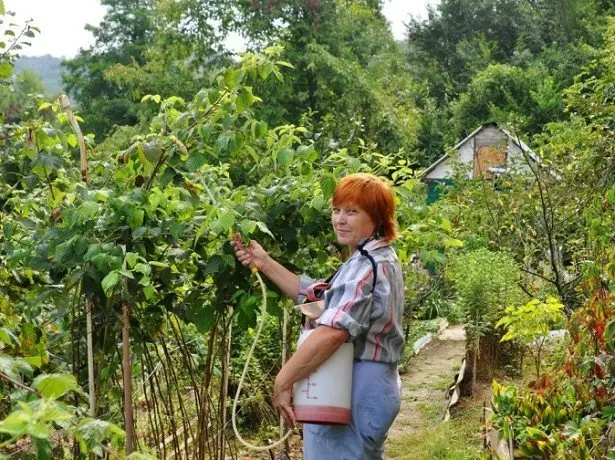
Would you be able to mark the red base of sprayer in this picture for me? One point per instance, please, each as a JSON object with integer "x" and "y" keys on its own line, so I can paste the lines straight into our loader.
{"x": 322, "y": 415}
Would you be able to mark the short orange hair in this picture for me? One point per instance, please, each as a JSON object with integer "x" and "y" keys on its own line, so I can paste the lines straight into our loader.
{"x": 374, "y": 196}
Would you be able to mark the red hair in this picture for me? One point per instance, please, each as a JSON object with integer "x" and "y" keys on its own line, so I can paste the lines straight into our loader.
{"x": 374, "y": 196}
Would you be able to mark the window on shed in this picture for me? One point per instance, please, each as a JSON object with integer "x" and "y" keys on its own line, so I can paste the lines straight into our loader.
{"x": 488, "y": 156}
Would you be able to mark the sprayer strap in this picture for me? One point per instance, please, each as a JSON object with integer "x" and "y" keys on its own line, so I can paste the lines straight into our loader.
{"x": 373, "y": 262}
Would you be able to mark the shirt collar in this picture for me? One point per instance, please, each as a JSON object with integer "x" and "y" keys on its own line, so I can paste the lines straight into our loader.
{"x": 369, "y": 244}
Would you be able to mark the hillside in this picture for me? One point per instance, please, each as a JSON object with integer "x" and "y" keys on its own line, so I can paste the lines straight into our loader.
{"x": 48, "y": 67}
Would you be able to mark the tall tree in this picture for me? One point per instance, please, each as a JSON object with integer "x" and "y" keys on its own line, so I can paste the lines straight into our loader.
{"x": 121, "y": 38}
{"x": 347, "y": 68}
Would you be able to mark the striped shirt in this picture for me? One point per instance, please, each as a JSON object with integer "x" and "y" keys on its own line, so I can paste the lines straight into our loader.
{"x": 373, "y": 320}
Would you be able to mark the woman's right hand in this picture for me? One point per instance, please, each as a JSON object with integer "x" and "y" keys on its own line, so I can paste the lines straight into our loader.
{"x": 252, "y": 256}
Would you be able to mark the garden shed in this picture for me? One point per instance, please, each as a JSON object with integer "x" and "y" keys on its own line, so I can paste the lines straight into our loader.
{"x": 488, "y": 151}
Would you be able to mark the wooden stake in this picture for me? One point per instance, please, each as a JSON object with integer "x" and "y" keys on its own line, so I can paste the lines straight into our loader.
{"x": 127, "y": 374}
{"x": 90, "y": 346}
{"x": 66, "y": 106}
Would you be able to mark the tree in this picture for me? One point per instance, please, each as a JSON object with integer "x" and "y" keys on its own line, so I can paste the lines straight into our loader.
{"x": 121, "y": 38}
{"x": 20, "y": 99}
{"x": 347, "y": 72}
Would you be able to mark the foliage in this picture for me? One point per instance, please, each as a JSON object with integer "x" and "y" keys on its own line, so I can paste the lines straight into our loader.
{"x": 528, "y": 98}
{"x": 121, "y": 38}
{"x": 20, "y": 100}
{"x": 522, "y": 54}
{"x": 530, "y": 325}
{"x": 577, "y": 398}
{"x": 348, "y": 72}
{"x": 568, "y": 411}
{"x": 485, "y": 283}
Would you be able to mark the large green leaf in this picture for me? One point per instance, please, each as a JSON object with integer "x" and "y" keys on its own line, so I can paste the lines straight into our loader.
{"x": 56, "y": 385}
{"x": 6, "y": 69}
{"x": 284, "y": 157}
{"x": 327, "y": 185}
{"x": 110, "y": 281}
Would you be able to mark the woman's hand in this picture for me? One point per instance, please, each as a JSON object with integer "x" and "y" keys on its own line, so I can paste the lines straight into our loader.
{"x": 252, "y": 256}
{"x": 282, "y": 401}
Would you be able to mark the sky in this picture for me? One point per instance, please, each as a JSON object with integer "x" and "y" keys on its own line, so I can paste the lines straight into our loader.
{"x": 62, "y": 22}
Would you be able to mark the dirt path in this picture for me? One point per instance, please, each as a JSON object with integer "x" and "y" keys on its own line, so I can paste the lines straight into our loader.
{"x": 424, "y": 386}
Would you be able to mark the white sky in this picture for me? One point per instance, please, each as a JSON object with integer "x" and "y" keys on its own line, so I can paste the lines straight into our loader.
{"x": 61, "y": 22}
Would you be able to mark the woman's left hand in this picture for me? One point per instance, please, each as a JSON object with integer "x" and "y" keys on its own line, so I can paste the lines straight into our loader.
{"x": 282, "y": 398}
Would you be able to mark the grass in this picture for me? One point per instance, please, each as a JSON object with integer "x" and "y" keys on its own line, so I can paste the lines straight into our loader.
{"x": 458, "y": 439}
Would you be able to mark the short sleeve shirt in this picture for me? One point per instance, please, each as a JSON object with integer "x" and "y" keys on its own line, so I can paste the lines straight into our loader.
{"x": 373, "y": 318}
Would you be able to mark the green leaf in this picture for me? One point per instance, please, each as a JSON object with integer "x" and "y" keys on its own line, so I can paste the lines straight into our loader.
{"x": 453, "y": 243}
{"x": 140, "y": 456}
{"x": 261, "y": 129}
{"x": 244, "y": 100}
{"x": 126, "y": 273}
{"x": 263, "y": 228}
{"x": 91, "y": 433}
{"x": 247, "y": 226}
{"x": 131, "y": 259}
{"x": 149, "y": 291}
{"x": 284, "y": 157}
{"x": 42, "y": 446}
{"x": 72, "y": 140}
{"x": 2, "y": 11}
{"x": 56, "y": 385}
{"x": 222, "y": 142}
{"x": 265, "y": 69}
{"x": 7, "y": 336}
{"x": 232, "y": 78}
{"x": 44, "y": 105}
{"x": 195, "y": 162}
{"x": 38, "y": 430}
{"x": 155, "y": 263}
{"x": 16, "y": 423}
{"x": 6, "y": 69}
{"x": 110, "y": 281}
{"x": 35, "y": 361}
{"x": 135, "y": 218}
{"x": 327, "y": 185}
{"x": 227, "y": 218}
{"x": 285, "y": 64}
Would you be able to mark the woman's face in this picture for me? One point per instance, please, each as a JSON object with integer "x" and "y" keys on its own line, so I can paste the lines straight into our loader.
{"x": 351, "y": 224}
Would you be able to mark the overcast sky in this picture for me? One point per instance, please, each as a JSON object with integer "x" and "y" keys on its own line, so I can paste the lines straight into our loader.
{"x": 62, "y": 21}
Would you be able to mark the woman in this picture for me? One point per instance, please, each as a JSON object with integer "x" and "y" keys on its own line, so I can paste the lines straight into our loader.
{"x": 363, "y": 304}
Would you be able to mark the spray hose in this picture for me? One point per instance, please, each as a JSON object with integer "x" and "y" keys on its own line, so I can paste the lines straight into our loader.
{"x": 237, "y": 240}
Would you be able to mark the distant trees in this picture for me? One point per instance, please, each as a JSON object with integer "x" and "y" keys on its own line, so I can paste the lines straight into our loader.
{"x": 503, "y": 60}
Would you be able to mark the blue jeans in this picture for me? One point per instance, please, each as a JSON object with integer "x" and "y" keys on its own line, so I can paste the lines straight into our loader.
{"x": 376, "y": 397}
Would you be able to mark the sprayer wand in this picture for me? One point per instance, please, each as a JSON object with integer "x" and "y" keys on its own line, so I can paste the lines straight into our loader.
{"x": 237, "y": 239}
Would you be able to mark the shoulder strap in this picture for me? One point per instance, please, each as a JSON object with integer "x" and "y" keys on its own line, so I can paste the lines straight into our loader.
{"x": 373, "y": 262}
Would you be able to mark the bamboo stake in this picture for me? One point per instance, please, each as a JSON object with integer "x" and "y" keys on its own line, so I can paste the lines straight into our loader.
{"x": 224, "y": 389}
{"x": 90, "y": 346}
{"x": 284, "y": 355}
{"x": 66, "y": 106}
